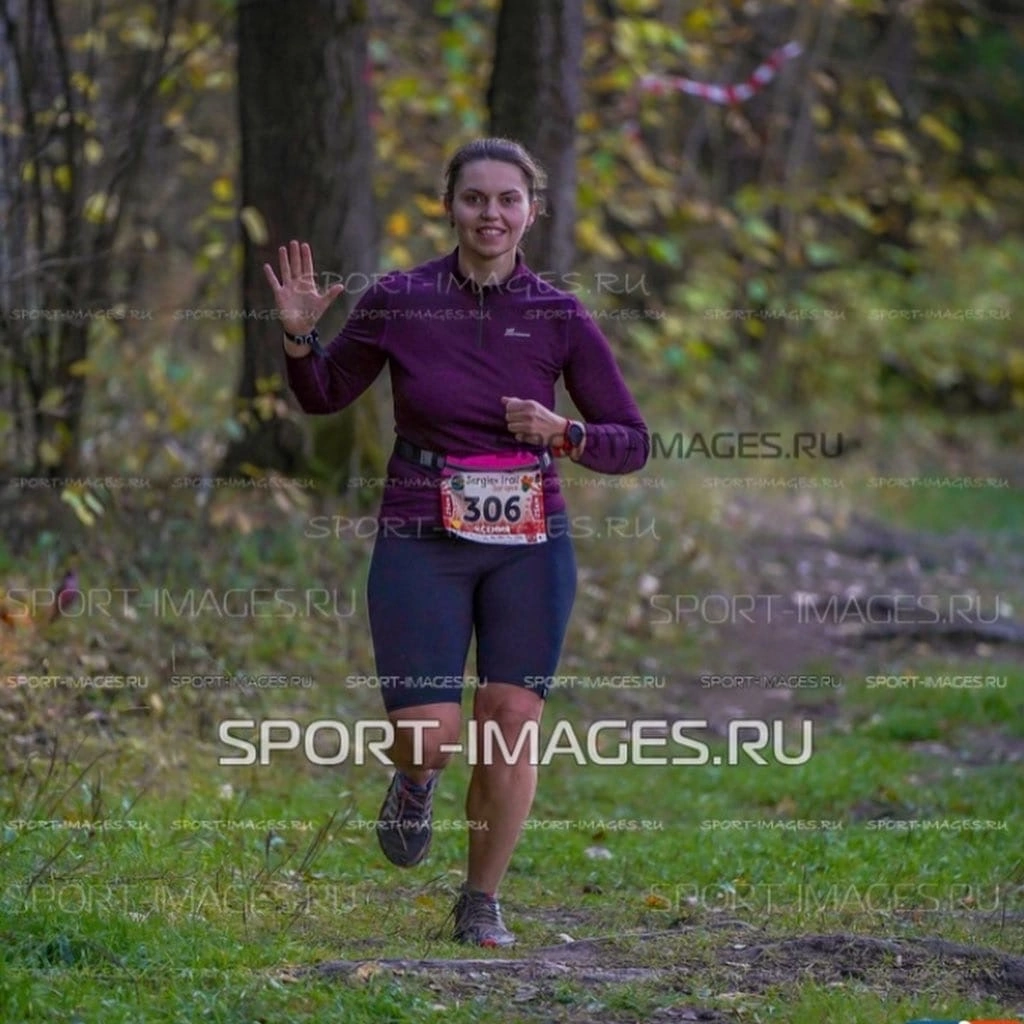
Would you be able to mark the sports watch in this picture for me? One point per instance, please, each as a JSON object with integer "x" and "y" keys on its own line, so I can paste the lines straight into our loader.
{"x": 571, "y": 439}
{"x": 574, "y": 434}
{"x": 312, "y": 339}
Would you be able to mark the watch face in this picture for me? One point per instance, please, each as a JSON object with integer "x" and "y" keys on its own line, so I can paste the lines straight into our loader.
{"x": 574, "y": 433}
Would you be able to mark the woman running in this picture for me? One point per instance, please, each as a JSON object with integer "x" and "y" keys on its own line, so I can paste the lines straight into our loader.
{"x": 472, "y": 533}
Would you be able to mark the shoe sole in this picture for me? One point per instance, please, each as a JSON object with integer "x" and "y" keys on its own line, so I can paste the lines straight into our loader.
{"x": 484, "y": 943}
{"x": 400, "y": 863}
{"x": 403, "y": 863}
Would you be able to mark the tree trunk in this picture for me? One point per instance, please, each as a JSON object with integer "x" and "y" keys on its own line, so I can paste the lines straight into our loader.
{"x": 306, "y": 168}
{"x": 534, "y": 98}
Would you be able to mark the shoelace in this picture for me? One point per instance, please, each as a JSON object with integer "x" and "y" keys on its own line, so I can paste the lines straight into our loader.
{"x": 410, "y": 803}
{"x": 471, "y": 907}
{"x": 482, "y": 909}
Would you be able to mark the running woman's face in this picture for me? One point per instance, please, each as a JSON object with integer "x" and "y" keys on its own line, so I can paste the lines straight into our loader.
{"x": 491, "y": 209}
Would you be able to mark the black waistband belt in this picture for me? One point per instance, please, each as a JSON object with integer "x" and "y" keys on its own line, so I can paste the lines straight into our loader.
{"x": 435, "y": 460}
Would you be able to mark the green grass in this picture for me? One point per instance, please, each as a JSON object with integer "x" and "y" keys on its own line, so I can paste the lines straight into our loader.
{"x": 231, "y": 878}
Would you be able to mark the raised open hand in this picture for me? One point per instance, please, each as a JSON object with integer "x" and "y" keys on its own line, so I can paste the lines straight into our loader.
{"x": 299, "y": 302}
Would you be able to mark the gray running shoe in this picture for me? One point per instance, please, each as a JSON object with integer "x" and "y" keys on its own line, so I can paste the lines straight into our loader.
{"x": 404, "y": 822}
{"x": 478, "y": 920}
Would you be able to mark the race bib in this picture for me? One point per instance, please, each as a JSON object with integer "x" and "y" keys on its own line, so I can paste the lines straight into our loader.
{"x": 494, "y": 499}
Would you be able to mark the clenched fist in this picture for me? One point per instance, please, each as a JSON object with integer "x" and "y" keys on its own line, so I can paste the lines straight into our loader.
{"x": 533, "y": 423}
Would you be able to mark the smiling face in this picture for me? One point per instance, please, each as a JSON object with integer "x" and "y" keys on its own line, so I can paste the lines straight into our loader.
{"x": 491, "y": 209}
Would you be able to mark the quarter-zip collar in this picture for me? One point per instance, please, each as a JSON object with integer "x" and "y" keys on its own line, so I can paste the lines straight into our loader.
{"x": 511, "y": 283}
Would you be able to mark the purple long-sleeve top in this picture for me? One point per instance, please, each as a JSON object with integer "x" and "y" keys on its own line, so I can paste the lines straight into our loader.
{"x": 454, "y": 350}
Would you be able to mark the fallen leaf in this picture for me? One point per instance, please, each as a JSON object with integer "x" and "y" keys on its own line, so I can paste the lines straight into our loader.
{"x": 364, "y": 972}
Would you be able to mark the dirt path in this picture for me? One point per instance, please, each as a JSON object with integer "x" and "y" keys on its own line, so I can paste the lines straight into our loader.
{"x": 740, "y": 962}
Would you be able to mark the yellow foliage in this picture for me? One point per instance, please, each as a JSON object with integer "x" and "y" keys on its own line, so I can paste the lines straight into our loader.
{"x": 884, "y": 99}
{"x": 62, "y": 177}
{"x": 205, "y": 149}
{"x": 700, "y": 21}
{"x": 855, "y": 210}
{"x": 51, "y": 402}
{"x": 1015, "y": 367}
{"x": 625, "y": 37}
{"x": 99, "y": 207}
{"x": 429, "y": 206}
{"x": 591, "y": 238}
{"x": 821, "y": 115}
{"x": 398, "y": 256}
{"x": 223, "y": 189}
{"x": 944, "y": 136}
{"x": 254, "y": 224}
{"x": 648, "y": 172}
{"x": 893, "y": 138}
{"x": 91, "y": 39}
{"x": 87, "y": 86}
{"x": 49, "y": 454}
{"x": 398, "y": 224}
{"x": 74, "y": 499}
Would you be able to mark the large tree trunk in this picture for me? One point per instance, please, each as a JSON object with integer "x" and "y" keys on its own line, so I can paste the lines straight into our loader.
{"x": 306, "y": 168}
{"x": 534, "y": 97}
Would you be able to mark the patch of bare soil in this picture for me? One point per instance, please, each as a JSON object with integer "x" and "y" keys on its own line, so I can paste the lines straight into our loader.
{"x": 835, "y": 597}
{"x": 744, "y": 964}
{"x": 855, "y": 593}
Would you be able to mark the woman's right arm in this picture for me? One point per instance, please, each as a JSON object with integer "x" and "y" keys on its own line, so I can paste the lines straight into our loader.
{"x": 327, "y": 382}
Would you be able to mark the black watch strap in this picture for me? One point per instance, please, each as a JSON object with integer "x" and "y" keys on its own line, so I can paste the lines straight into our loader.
{"x": 312, "y": 339}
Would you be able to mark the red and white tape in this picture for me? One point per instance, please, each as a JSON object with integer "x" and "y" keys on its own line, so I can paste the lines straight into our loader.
{"x": 659, "y": 85}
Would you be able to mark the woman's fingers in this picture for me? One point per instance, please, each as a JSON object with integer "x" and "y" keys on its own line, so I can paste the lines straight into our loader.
{"x": 307, "y": 263}
{"x": 286, "y": 270}
{"x": 529, "y": 420}
{"x": 268, "y": 273}
{"x": 296, "y": 293}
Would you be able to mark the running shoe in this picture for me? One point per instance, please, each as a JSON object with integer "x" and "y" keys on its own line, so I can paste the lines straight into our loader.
{"x": 478, "y": 920}
{"x": 404, "y": 822}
